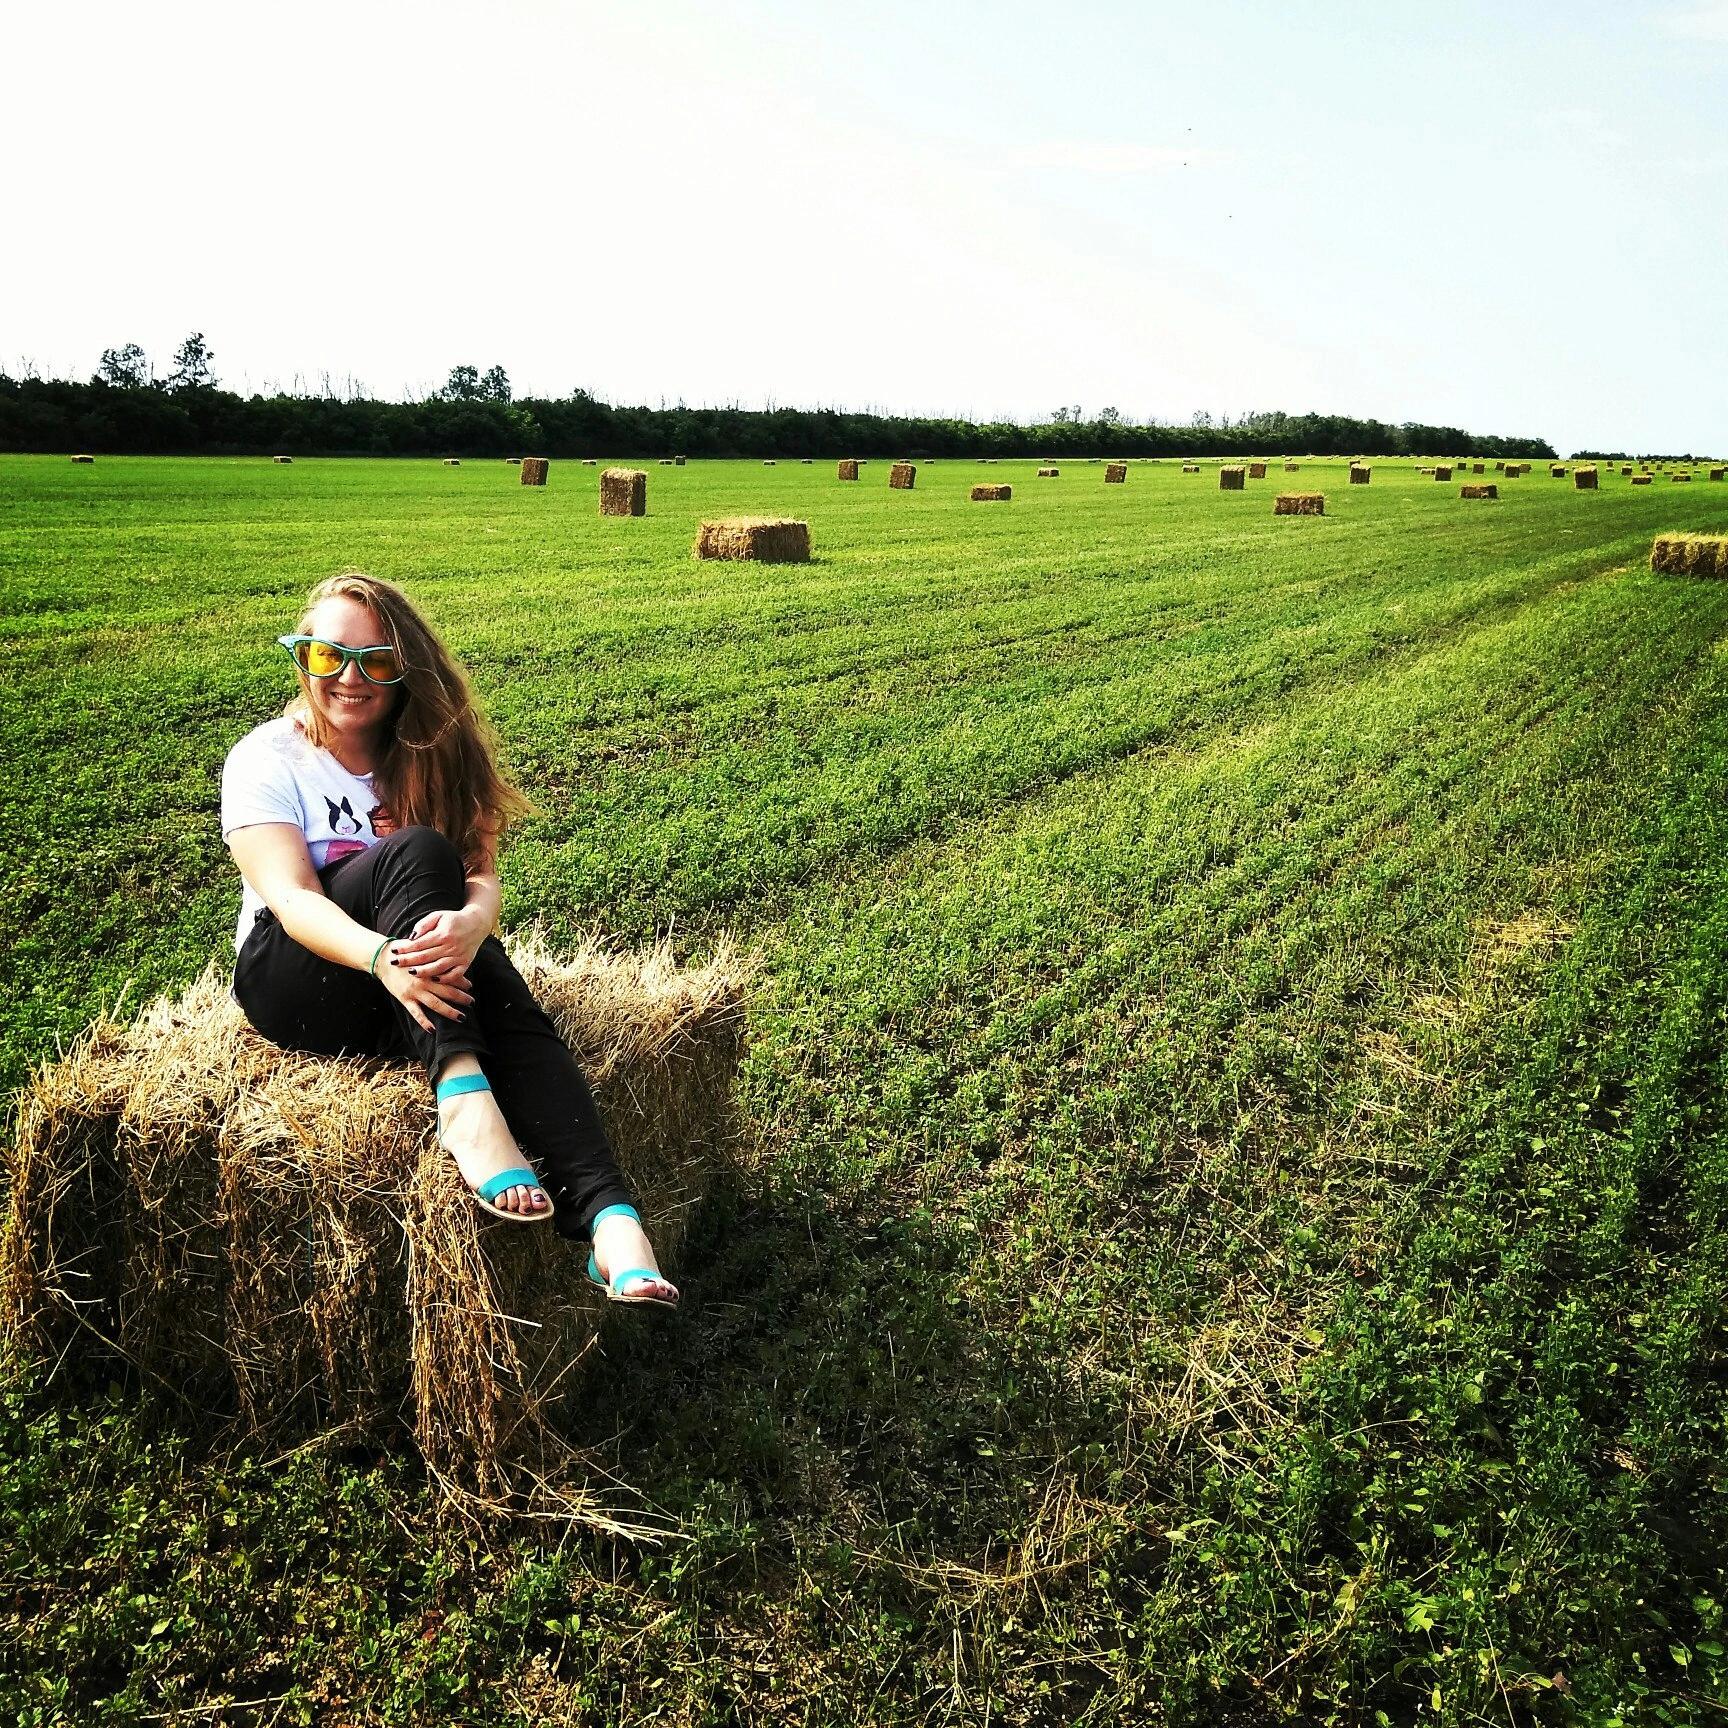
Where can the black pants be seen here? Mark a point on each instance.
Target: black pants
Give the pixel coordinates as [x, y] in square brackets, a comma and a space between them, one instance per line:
[303, 1002]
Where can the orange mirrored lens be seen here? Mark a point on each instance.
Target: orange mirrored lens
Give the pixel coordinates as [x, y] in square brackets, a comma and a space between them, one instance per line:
[318, 659]
[381, 665]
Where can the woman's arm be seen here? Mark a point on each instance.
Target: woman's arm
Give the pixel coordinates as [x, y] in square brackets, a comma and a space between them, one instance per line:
[274, 858]
[444, 944]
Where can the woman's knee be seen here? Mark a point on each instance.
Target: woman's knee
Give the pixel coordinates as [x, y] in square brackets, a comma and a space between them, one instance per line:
[426, 849]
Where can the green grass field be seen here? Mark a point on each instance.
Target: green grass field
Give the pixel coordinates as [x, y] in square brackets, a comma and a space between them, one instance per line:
[1234, 1225]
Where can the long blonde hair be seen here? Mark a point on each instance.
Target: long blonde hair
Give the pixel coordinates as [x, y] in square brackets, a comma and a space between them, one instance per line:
[436, 765]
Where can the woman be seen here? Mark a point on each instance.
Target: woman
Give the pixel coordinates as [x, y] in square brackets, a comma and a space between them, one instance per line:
[365, 821]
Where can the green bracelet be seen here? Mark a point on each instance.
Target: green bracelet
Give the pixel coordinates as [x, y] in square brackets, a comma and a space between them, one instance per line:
[372, 970]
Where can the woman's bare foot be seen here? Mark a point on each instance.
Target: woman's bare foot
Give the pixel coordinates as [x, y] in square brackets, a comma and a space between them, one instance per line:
[473, 1129]
[622, 1243]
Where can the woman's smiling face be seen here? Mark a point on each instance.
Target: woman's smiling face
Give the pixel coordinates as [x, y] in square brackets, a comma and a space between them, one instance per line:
[349, 705]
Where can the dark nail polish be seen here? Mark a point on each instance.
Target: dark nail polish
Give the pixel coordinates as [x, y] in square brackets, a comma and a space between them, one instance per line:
[413, 971]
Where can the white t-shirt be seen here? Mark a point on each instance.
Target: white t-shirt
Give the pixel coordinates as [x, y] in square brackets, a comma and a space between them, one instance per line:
[276, 774]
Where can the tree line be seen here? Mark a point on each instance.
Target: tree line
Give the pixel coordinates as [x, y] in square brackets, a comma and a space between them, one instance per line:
[125, 409]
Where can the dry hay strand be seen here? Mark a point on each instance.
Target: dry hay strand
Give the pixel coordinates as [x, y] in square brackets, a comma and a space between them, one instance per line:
[282, 461]
[1233, 478]
[1643, 479]
[1584, 480]
[623, 492]
[1359, 474]
[1299, 504]
[279, 1241]
[997, 494]
[902, 477]
[1116, 474]
[1442, 472]
[535, 470]
[1486, 489]
[846, 469]
[81, 460]
[452, 461]
[1190, 467]
[1049, 473]
[1690, 554]
[767, 540]
[1256, 470]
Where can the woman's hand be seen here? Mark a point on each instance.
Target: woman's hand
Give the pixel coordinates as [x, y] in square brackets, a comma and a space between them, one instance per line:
[423, 994]
[442, 946]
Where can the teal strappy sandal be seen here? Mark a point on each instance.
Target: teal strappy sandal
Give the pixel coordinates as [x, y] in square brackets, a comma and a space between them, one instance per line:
[493, 1186]
[618, 1287]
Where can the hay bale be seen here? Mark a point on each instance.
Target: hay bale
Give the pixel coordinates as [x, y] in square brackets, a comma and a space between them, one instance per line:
[1116, 474]
[1232, 478]
[1686, 477]
[1486, 489]
[806, 460]
[1256, 470]
[279, 1240]
[1690, 554]
[1292, 467]
[767, 540]
[845, 469]
[1360, 474]
[452, 461]
[535, 470]
[1190, 467]
[1626, 471]
[1475, 467]
[283, 460]
[902, 477]
[1556, 471]
[1717, 473]
[679, 461]
[1499, 467]
[1643, 479]
[769, 462]
[83, 459]
[1049, 473]
[1299, 504]
[1442, 471]
[623, 492]
[665, 461]
[589, 462]
[512, 461]
[1584, 480]
[992, 494]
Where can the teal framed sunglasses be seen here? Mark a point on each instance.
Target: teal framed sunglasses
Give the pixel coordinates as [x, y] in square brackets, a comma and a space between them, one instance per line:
[317, 658]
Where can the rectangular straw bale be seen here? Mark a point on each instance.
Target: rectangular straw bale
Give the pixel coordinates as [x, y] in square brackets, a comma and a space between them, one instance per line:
[902, 477]
[1049, 473]
[1556, 471]
[1360, 474]
[278, 1241]
[535, 470]
[1584, 480]
[1256, 470]
[1232, 478]
[1475, 467]
[1299, 504]
[1717, 473]
[1292, 467]
[845, 469]
[764, 539]
[996, 494]
[1116, 474]
[665, 461]
[81, 460]
[512, 461]
[1190, 467]
[623, 492]
[1483, 489]
[589, 462]
[1690, 554]
[282, 459]
[1626, 471]
[679, 461]
[1643, 479]
[1442, 472]
[1677, 476]
[452, 461]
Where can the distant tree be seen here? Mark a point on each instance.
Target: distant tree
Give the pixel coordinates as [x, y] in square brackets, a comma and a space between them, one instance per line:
[495, 386]
[193, 365]
[125, 368]
[1109, 416]
[463, 385]
[1059, 416]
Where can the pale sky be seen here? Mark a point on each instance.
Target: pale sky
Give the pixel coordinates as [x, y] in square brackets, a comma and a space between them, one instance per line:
[1502, 216]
